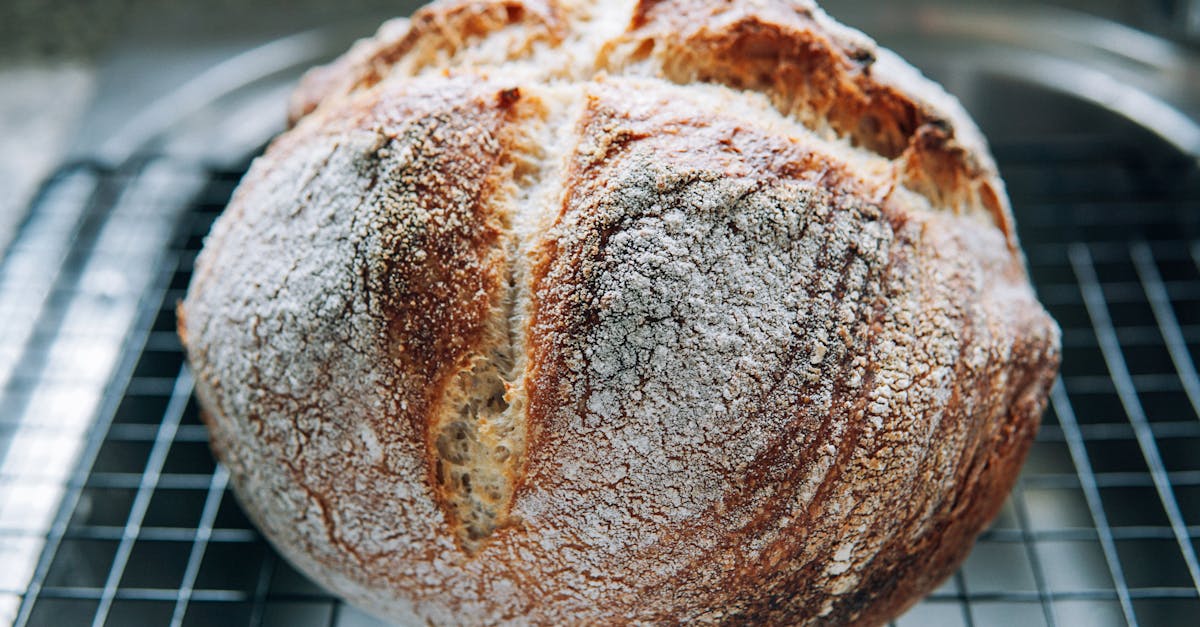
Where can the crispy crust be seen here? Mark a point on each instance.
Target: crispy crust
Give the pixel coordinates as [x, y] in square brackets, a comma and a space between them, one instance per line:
[763, 374]
[434, 35]
[830, 78]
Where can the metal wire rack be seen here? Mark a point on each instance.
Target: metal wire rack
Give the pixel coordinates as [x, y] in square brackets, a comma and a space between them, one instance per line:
[142, 530]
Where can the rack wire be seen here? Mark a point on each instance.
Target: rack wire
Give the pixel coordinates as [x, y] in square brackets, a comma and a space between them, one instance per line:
[1101, 529]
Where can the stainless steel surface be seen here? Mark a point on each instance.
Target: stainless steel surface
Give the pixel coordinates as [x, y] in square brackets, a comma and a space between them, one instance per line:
[39, 101]
[112, 512]
[1188, 14]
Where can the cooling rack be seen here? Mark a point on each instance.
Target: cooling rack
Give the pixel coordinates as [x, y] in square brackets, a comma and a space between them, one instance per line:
[139, 527]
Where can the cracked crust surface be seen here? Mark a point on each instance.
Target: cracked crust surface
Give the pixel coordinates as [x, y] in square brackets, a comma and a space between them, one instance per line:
[729, 327]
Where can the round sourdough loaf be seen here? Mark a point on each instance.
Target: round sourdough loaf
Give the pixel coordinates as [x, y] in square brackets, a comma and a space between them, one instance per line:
[568, 311]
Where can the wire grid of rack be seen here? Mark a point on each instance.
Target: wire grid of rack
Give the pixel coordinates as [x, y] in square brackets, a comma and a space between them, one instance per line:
[1101, 529]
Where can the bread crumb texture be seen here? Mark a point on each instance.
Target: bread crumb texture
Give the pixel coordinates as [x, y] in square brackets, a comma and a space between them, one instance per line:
[676, 311]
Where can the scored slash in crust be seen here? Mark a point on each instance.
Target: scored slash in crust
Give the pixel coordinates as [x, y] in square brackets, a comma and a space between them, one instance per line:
[676, 311]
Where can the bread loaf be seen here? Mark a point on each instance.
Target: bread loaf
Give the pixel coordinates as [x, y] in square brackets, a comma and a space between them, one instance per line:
[569, 312]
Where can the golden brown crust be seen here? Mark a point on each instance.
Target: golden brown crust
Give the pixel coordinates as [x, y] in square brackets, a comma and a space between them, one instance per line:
[434, 34]
[346, 70]
[768, 550]
[826, 76]
[783, 49]
[760, 375]
[366, 261]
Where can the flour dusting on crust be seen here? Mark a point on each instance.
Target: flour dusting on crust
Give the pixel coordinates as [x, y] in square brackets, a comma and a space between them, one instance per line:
[676, 311]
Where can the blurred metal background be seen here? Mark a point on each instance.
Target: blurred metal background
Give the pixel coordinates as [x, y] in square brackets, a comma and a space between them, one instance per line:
[139, 118]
